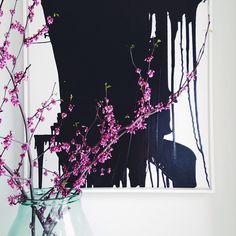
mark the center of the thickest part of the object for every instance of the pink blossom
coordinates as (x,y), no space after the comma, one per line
(42,118)
(66,147)
(102,171)
(35,164)
(135,126)
(80,182)
(49,108)
(49,20)
(109,129)
(14,199)
(149,59)
(138,71)
(53,101)
(57,131)
(108,109)
(7,141)
(95,150)
(22,155)
(2,164)
(31,13)
(150,73)
(72,158)
(63,115)
(106,155)
(5,56)
(76,169)
(36,2)
(19,77)
(14,100)
(25,147)
(71,107)
(78,147)
(84,158)
(32,130)
(40,110)
(18,26)
(142,83)
(45,173)
(28,41)
(55,148)
(11,183)
(14,96)
(30,121)
(12,11)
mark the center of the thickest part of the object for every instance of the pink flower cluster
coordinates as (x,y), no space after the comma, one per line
(14,96)
(19,77)
(109,129)
(149,59)
(79,157)
(38,116)
(31,10)
(11,182)
(12,12)
(144,108)
(14,199)
(19,27)
(151,73)
(7,141)
(2,165)
(83,157)
(5,55)
(28,41)
(50,20)
(25,147)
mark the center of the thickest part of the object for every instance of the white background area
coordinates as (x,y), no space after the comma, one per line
(176,214)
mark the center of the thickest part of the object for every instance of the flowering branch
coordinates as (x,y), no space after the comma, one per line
(83,158)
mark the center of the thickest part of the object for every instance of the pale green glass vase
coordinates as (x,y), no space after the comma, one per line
(53,217)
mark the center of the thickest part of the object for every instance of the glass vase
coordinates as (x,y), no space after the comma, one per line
(52,217)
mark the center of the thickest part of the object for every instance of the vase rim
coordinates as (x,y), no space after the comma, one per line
(61,200)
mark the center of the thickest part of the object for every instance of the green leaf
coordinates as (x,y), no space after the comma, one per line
(107,86)
(157,43)
(76,124)
(132,46)
(71,97)
(56,14)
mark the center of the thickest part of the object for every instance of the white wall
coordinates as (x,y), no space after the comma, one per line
(178,214)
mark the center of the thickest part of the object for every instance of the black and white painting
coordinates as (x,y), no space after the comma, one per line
(88,45)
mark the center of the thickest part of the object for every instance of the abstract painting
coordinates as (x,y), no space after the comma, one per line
(90,46)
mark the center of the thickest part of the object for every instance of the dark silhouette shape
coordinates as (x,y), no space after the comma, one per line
(91,42)
(182,170)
